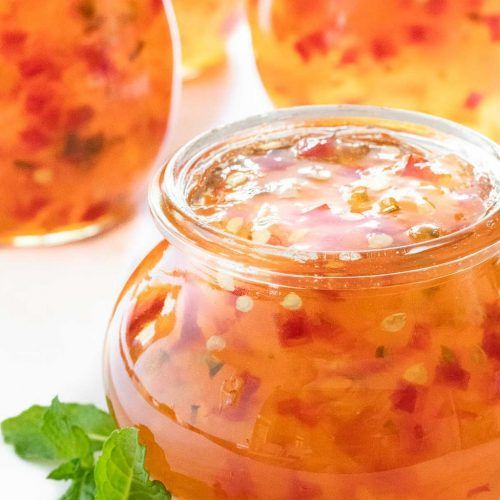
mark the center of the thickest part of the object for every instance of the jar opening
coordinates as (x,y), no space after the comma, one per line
(173,211)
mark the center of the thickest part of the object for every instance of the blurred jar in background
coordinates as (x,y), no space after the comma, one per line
(85,95)
(436,56)
(204,26)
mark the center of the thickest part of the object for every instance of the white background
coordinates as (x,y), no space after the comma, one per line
(55,303)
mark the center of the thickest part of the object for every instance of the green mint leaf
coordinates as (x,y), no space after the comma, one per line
(68,470)
(97,424)
(120,472)
(82,488)
(68,440)
(25,433)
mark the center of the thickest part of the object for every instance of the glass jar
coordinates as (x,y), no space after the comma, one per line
(204,26)
(86,89)
(436,56)
(383,382)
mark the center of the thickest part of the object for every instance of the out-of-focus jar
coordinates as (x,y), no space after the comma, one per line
(204,26)
(437,56)
(259,367)
(85,95)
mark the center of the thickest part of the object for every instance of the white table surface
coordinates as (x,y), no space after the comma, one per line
(55,303)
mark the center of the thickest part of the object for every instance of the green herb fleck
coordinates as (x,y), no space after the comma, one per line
(87,9)
(380,351)
(24,165)
(83,149)
(447,355)
(214,365)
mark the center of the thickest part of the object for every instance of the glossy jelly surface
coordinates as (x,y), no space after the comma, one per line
(204,26)
(85,103)
(249,383)
(437,56)
(341,188)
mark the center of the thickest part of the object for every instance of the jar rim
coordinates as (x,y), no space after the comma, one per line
(179,225)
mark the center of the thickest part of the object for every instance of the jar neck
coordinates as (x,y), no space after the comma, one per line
(213,249)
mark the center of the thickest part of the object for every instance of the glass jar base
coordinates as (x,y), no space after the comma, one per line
(71,233)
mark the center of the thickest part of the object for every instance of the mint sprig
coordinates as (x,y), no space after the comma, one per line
(102,462)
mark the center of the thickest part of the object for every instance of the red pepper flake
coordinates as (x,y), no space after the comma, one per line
(76,117)
(493,24)
(405,398)
(157,5)
(308,413)
(420,337)
(473,100)
(383,48)
(38,66)
(294,331)
(418,431)
(35,138)
(239,291)
(97,59)
(436,7)
(36,102)
(415,167)
(319,42)
(451,373)
(484,488)
(491,327)
(350,56)
(13,39)
(491,344)
(95,211)
(418,33)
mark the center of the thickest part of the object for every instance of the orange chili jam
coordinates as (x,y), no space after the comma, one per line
(436,56)
(343,188)
(323,320)
(85,94)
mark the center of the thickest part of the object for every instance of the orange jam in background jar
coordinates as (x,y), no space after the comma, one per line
(323,319)
(204,26)
(437,56)
(85,94)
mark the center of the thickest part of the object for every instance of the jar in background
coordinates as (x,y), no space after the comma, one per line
(436,56)
(259,370)
(204,26)
(85,96)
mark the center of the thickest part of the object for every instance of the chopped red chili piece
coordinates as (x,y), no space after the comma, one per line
(436,7)
(383,48)
(418,33)
(350,56)
(319,42)
(13,39)
(473,100)
(417,167)
(36,66)
(451,373)
(405,398)
(35,138)
(493,24)
(421,337)
(294,331)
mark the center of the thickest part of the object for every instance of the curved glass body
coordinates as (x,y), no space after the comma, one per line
(382,382)
(204,26)
(86,90)
(436,56)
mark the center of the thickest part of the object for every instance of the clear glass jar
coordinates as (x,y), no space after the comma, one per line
(382,384)
(86,89)
(204,26)
(436,56)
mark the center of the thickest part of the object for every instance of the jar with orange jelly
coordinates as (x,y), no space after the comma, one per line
(436,56)
(85,95)
(322,319)
(204,27)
